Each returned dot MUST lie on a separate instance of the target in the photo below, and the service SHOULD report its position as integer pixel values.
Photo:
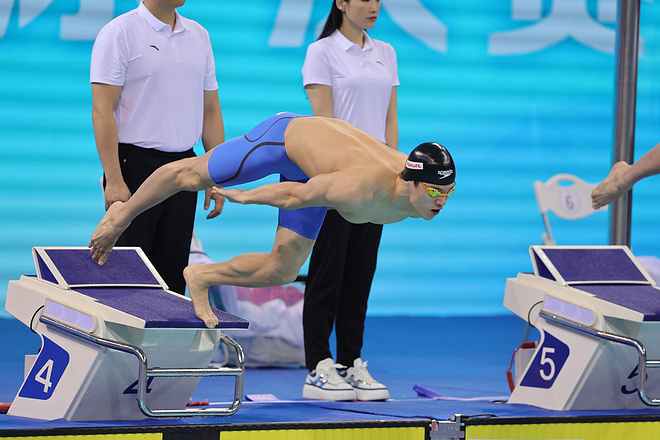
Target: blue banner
(518, 90)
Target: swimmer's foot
(612, 187)
(199, 293)
(107, 233)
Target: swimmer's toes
(211, 322)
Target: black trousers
(164, 231)
(341, 270)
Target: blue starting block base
(598, 313)
(116, 344)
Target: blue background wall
(518, 90)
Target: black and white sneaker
(324, 383)
(365, 386)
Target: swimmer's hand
(233, 195)
(614, 186)
(219, 203)
(106, 234)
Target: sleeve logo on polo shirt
(154, 46)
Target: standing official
(154, 95)
(350, 76)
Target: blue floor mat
(458, 358)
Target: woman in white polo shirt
(350, 76)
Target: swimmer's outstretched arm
(623, 176)
(183, 175)
(284, 195)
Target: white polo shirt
(163, 75)
(361, 79)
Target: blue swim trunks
(261, 153)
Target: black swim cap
(431, 163)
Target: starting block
(116, 344)
(598, 313)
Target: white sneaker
(365, 386)
(324, 383)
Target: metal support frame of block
(145, 372)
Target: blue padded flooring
(459, 358)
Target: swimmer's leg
(258, 154)
(280, 267)
(189, 174)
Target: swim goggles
(435, 192)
